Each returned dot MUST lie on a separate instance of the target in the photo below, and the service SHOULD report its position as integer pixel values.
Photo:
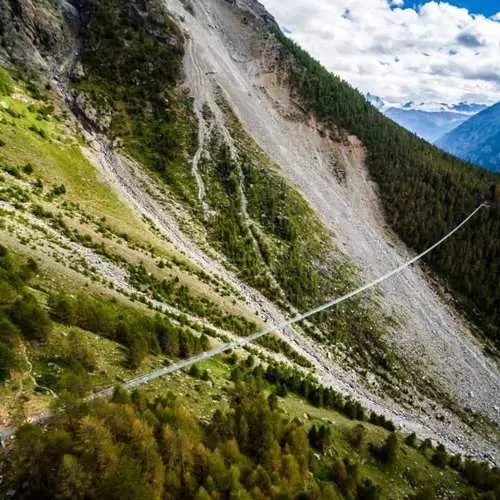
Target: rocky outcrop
(76, 13)
(99, 119)
(257, 9)
(34, 35)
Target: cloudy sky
(402, 50)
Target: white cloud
(437, 52)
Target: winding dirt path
(203, 137)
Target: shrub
(79, 352)
(281, 390)
(75, 382)
(6, 87)
(388, 452)
(12, 170)
(272, 400)
(440, 457)
(204, 342)
(8, 332)
(367, 490)
(121, 396)
(31, 318)
(59, 190)
(62, 308)
(426, 493)
(425, 445)
(358, 436)
(28, 169)
(39, 131)
(456, 462)
(320, 438)
(194, 371)
(381, 421)
(345, 474)
(8, 361)
(411, 439)
(481, 475)
(137, 351)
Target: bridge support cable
(328, 305)
(138, 381)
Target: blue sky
(485, 7)
(403, 50)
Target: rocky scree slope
(244, 59)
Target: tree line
(140, 333)
(136, 448)
(24, 316)
(424, 191)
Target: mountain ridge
(460, 107)
(430, 121)
(477, 139)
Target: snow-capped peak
(377, 101)
(436, 107)
(464, 108)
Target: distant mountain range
(431, 121)
(477, 139)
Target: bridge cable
(106, 393)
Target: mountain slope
(421, 188)
(477, 140)
(238, 208)
(325, 164)
(200, 274)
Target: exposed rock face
(75, 13)
(100, 119)
(255, 8)
(31, 34)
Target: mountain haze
(430, 125)
(429, 121)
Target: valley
(171, 192)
